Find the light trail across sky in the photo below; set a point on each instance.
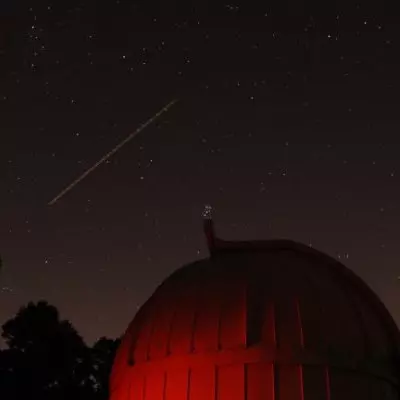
(110, 153)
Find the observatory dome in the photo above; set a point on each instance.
(259, 320)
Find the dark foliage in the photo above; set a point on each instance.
(47, 359)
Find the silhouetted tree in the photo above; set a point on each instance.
(47, 359)
(103, 352)
(8, 358)
(46, 356)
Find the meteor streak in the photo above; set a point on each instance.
(110, 153)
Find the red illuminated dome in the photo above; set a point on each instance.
(273, 320)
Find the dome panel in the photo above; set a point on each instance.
(260, 321)
(233, 321)
(202, 382)
(177, 381)
(230, 382)
(182, 329)
(311, 314)
(141, 343)
(207, 319)
(315, 382)
(154, 384)
(357, 385)
(160, 330)
(377, 341)
(288, 327)
(332, 296)
(289, 382)
(137, 388)
(256, 373)
(268, 332)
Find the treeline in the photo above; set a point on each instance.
(46, 358)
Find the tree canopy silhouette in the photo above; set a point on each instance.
(103, 352)
(46, 358)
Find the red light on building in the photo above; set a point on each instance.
(260, 320)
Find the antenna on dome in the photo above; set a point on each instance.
(208, 226)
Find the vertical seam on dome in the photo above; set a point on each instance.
(129, 389)
(301, 379)
(359, 316)
(189, 382)
(131, 350)
(152, 329)
(275, 381)
(193, 331)
(133, 337)
(246, 310)
(327, 383)
(344, 287)
(193, 326)
(384, 316)
(314, 288)
(245, 380)
(144, 387)
(164, 394)
(216, 397)
(299, 321)
(221, 310)
(170, 327)
(253, 336)
(273, 322)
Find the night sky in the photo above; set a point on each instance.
(287, 124)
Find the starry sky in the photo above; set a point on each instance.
(287, 123)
